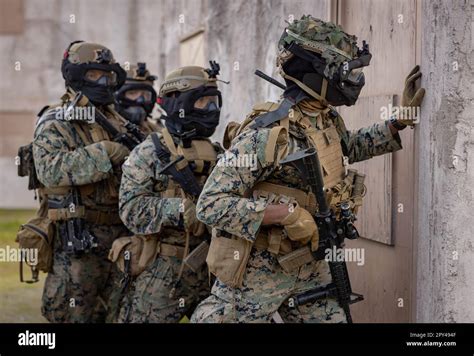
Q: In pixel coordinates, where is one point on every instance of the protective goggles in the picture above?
(201, 100)
(350, 71)
(140, 96)
(100, 77)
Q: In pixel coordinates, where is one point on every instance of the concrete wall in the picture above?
(49, 26)
(445, 280)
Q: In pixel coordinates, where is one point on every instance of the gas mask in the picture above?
(135, 101)
(194, 113)
(308, 68)
(92, 71)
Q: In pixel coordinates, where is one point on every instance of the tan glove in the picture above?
(300, 226)
(410, 97)
(115, 151)
(191, 222)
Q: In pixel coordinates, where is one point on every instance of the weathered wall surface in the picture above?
(49, 26)
(446, 165)
(243, 36)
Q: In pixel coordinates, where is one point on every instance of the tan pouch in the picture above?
(230, 133)
(134, 254)
(294, 260)
(36, 235)
(227, 259)
(197, 258)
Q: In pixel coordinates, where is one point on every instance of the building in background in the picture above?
(416, 222)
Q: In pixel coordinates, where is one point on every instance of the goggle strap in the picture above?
(324, 88)
(321, 98)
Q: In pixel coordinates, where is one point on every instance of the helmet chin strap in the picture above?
(321, 98)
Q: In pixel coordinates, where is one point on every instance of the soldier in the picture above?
(161, 182)
(262, 213)
(78, 164)
(137, 97)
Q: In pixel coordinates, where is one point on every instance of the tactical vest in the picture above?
(39, 232)
(201, 157)
(315, 127)
(88, 133)
(339, 185)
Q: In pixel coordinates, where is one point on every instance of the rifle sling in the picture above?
(164, 156)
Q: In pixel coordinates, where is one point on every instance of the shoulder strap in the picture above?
(45, 115)
(277, 143)
(83, 135)
(41, 112)
(281, 113)
(169, 142)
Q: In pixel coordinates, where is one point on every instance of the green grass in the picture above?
(19, 302)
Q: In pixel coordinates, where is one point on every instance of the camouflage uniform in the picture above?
(144, 211)
(69, 154)
(226, 205)
(151, 204)
(266, 286)
(62, 163)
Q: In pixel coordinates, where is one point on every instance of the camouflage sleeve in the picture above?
(368, 142)
(58, 163)
(141, 208)
(224, 202)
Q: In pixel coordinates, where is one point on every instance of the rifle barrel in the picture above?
(270, 79)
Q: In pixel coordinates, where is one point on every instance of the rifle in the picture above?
(76, 239)
(332, 233)
(184, 176)
(132, 138)
(180, 171)
(269, 79)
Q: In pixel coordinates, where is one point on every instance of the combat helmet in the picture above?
(82, 58)
(180, 93)
(323, 60)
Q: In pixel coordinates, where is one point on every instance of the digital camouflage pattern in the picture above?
(222, 198)
(141, 207)
(224, 206)
(261, 296)
(79, 289)
(148, 300)
(145, 211)
(85, 289)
